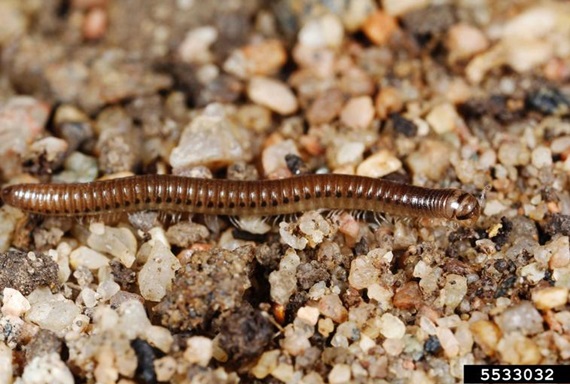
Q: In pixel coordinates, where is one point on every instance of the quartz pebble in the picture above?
(326, 31)
(541, 157)
(272, 94)
(211, 140)
(392, 327)
(401, 7)
(198, 350)
(486, 334)
(379, 165)
(14, 303)
(443, 118)
(284, 281)
(363, 273)
(49, 311)
(47, 368)
(431, 159)
(87, 257)
(331, 306)
(339, 374)
(196, 44)
(522, 317)
(258, 59)
(273, 157)
(550, 297)
(464, 41)
(118, 242)
(358, 112)
(518, 349)
(379, 27)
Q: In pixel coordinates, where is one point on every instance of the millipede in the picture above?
(177, 194)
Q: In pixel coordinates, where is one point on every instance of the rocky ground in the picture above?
(471, 94)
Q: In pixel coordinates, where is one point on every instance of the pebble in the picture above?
(266, 364)
(363, 273)
(199, 350)
(78, 168)
(95, 23)
(272, 94)
(486, 334)
(401, 7)
(541, 157)
(48, 368)
(13, 20)
(273, 157)
(326, 31)
(408, 296)
(522, 317)
(379, 164)
(310, 315)
(157, 274)
(6, 370)
(358, 112)
(454, 291)
(443, 118)
(212, 140)
(331, 306)
(259, 59)
(465, 41)
(431, 159)
(560, 145)
(195, 48)
(550, 297)
(118, 242)
(165, 368)
(379, 27)
(347, 153)
(518, 349)
(107, 289)
(326, 107)
(340, 374)
(49, 311)
(391, 327)
(284, 280)
(14, 303)
(448, 342)
(559, 248)
(87, 257)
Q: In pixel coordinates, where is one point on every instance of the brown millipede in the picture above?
(234, 198)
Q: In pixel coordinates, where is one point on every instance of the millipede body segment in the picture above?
(170, 193)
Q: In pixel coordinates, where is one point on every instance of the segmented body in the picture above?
(232, 197)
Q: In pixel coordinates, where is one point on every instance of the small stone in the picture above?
(363, 273)
(430, 160)
(559, 247)
(522, 317)
(487, 335)
(401, 7)
(493, 207)
(408, 296)
(388, 100)
(339, 374)
(443, 118)
(48, 368)
(88, 258)
(284, 281)
(358, 112)
(326, 107)
(51, 312)
(465, 41)
(379, 165)
(541, 157)
(118, 242)
(198, 350)
(258, 59)
(108, 289)
(158, 337)
(266, 364)
(381, 294)
(518, 349)
(392, 327)
(165, 368)
(331, 306)
(273, 157)
(211, 140)
(560, 145)
(393, 347)
(14, 303)
(272, 94)
(379, 27)
(284, 372)
(326, 31)
(156, 276)
(454, 291)
(195, 48)
(514, 154)
(310, 315)
(348, 153)
(448, 342)
(95, 23)
(89, 297)
(550, 297)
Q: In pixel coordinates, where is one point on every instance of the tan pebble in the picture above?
(550, 297)
(401, 7)
(518, 349)
(358, 112)
(312, 145)
(486, 334)
(165, 368)
(443, 118)
(273, 157)
(326, 107)
(331, 306)
(379, 26)
(283, 372)
(272, 94)
(556, 69)
(431, 159)
(349, 227)
(339, 374)
(464, 41)
(325, 327)
(95, 24)
(392, 327)
(388, 100)
(310, 315)
(393, 347)
(266, 364)
(379, 164)
(407, 297)
(265, 58)
(448, 342)
(560, 249)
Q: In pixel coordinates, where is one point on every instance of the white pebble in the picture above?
(443, 118)
(86, 257)
(196, 44)
(392, 327)
(400, 7)
(284, 280)
(379, 164)
(363, 273)
(47, 368)
(541, 157)
(156, 276)
(340, 374)
(199, 350)
(272, 94)
(326, 31)
(358, 112)
(89, 297)
(273, 157)
(118, 242)
(448, 342)
(49, 311)
(310, 315)
(550, 297)
(14, 303)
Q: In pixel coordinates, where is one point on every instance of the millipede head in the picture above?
(465, 208)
